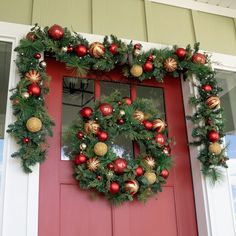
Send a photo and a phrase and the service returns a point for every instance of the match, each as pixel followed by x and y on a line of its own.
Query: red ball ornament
pixel 80 135
pixel 181 53
pixel 80 159
pixel 70 49
pixel 119 103
pixel 165 173
pixel 106 109
pixel 120 121
pixel 99 177
pixel 207 87
pixel 139 171
pixel 213 136
pixel 198 58
pixel 150 58
pixel 127 100
pixel 34 90
pixel 148 66
pixel 114 188
pixel 110 166
pixel 26 140
pixel 37 55
pixel 137 46
pixel 86 112
pixel 80 50
pixel 56 32
pixel 113 48
pixel 119 165
pixel 102 136
pixel 160 139
pixel 147 124
pixel 167 150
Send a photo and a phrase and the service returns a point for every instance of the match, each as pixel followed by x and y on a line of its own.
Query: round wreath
pixel 102 165
pixel 33 124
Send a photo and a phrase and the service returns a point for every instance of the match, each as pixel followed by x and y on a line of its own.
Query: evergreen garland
pixel 112 53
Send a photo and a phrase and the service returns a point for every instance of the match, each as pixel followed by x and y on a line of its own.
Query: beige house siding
pixel 132 19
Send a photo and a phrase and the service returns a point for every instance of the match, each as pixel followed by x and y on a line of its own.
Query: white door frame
pixel 19 193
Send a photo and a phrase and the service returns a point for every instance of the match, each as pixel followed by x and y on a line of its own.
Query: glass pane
pixel 5 60
pixel 121 144
pixel 227 80
pixel 156 95
pixel 77 93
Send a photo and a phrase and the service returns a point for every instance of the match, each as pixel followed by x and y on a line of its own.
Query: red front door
pixel 65 210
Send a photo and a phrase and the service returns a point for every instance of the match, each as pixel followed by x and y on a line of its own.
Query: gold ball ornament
pixel 136 70
pixel 215 148
pixel 96 49
pixel 93 164
pixel 170 64
pixel 139 116
pixel 100 149
pixel 91 126
pixel 149 161
pixel 131 187
pixel 25 95
pixel 33 76
pixel 212 102
pixel 159 125
pixel 34 124
pixel 151 177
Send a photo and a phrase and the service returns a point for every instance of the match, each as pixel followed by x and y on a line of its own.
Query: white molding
pixel 199 6
pixel 19 191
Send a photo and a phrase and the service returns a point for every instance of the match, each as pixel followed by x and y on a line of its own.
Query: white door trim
pixel 19 193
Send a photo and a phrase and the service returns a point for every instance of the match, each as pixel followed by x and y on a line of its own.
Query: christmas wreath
pixel 102 165
pixel 33 124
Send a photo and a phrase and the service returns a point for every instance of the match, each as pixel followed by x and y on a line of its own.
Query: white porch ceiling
pixel 221 3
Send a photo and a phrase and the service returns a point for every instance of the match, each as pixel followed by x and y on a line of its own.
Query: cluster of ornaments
pixel 94 158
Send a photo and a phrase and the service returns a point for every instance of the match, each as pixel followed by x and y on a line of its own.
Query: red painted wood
pixel 65 210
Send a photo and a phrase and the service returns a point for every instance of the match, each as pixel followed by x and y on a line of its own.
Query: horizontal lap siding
pixel 133 19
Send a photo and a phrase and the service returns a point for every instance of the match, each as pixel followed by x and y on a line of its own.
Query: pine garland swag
pixel 75 51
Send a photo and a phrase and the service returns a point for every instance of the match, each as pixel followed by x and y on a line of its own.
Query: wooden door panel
pixel 65 210
pixel 82 216
pixel 153 218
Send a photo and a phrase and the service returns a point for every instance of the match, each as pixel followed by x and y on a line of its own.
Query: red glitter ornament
pixel 106 109
pixel 56 32
pixel 80 159
pixel 198 58
pixel 102 136
pixel 80 50
pixel 113 48
pixel 160 139
pixel 34 90
pixel 86 112
pixel 119 165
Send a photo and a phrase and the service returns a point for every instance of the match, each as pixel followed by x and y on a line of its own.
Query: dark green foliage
pixel 133 130
pixel 23 109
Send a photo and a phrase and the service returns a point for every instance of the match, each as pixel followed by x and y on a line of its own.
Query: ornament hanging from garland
pixel 121 178
pixel 80 54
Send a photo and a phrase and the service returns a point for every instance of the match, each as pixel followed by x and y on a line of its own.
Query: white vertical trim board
pixel 19 191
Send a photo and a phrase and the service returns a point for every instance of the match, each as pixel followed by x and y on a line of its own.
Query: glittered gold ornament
pixel 159 125
pixel 139 116
pixel 151 177
pixel 91 126
pixel 150 161
pixel 82 146
pixel 215 148
pixel 25 95
pixel 93 164
pixel 100 149
pixel 34 124
pixel 96 49
pixel 212 102
pixel 136 70
pixel 131 187
pixel 170 64
pixel 33 76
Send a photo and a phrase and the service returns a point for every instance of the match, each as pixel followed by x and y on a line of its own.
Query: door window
pixel 5 58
